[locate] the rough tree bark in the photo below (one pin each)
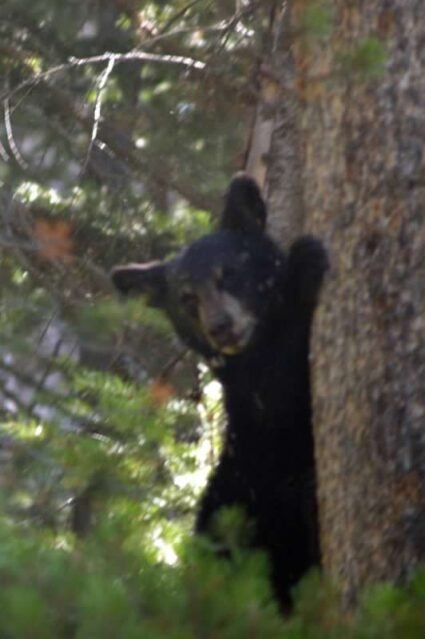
(363, 176)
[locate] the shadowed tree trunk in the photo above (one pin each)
(363, 176)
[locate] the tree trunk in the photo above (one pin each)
(363, 176)
(274, 150)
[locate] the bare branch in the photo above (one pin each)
(101, 87)
(190, 63)
(3, 153)
(11, 140)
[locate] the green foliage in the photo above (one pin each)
(232, 529)
(318, 614)
(394, 612)
(108, 590)
(317, 20)
(367, 58)
(87, 589)
(113, 315)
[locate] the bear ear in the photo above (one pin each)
(244, 208)
(143, 279)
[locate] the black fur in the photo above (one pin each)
(267, 463)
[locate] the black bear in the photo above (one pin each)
(235, 298)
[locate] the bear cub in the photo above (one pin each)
(239, 301)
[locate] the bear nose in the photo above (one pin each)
(221, 327)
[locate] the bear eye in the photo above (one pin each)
(189, 300)
(225, 276)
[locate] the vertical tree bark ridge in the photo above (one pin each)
(284, 186)
(284, 162)
(364, 188)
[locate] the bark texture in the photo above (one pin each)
(283, 188)
(364, 194)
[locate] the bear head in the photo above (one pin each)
(221, 289)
